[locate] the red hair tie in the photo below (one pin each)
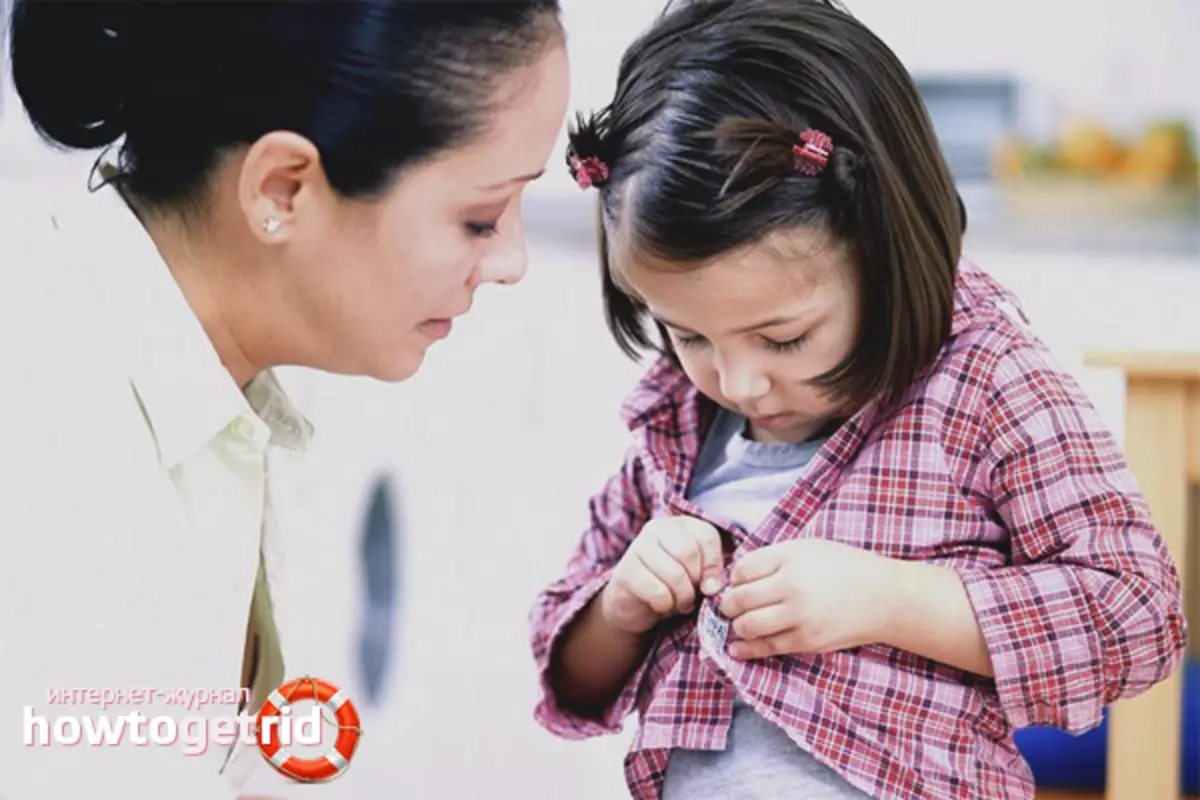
(813, 154)
(589, 172)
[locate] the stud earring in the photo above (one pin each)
(271, 226)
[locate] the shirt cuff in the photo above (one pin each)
(1046, 658)
(550, 713)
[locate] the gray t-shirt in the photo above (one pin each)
(743, 480)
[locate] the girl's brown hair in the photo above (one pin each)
(698, 161)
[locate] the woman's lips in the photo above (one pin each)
(436, 328)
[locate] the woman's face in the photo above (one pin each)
(376, 283)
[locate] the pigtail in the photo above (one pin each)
(766, 154)
(847, 179)
(762, 155)
(588, 161)
(587, 158)
(845, 172)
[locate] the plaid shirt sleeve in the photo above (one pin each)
(617, 515)
(1090, 610)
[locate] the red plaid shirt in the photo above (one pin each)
(997, 465)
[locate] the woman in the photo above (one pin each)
(323, 184)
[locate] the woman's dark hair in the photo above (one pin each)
(697, 161)
(376, 85)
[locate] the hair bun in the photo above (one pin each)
(69, 63)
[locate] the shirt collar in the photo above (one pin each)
(289, 428)
(663, 386)
(185, 392)
(977, 295)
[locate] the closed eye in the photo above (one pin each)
(482, 229)
(787, 346)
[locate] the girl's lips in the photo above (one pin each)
(773, 422)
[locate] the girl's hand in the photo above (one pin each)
(659, 574)
(807, 596)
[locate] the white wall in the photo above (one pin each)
(1097, 55)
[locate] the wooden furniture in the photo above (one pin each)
(1162, 443)
(1063, 794)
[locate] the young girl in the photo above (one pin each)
(866, 528)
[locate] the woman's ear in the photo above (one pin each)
(281, 175)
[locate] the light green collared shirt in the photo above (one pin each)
(140, 520)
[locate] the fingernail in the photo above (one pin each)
(711, 586)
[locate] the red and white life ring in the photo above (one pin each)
(337, 758)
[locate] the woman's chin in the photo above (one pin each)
(399, 368)
(391, 364)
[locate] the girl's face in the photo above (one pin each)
(752, 328)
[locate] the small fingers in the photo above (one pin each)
(756, 565)
(645, 587)
(763, 623)
(670, 573)
(679, 543)
(708, 539)
(777, 645)
(738, 600)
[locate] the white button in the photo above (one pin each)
(244, 428)
(247, 434)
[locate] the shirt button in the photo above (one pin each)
(243, 428)
(247, 435)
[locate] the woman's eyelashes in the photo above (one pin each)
(483, 229)
(483, 220)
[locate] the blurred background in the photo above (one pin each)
(434, 510)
